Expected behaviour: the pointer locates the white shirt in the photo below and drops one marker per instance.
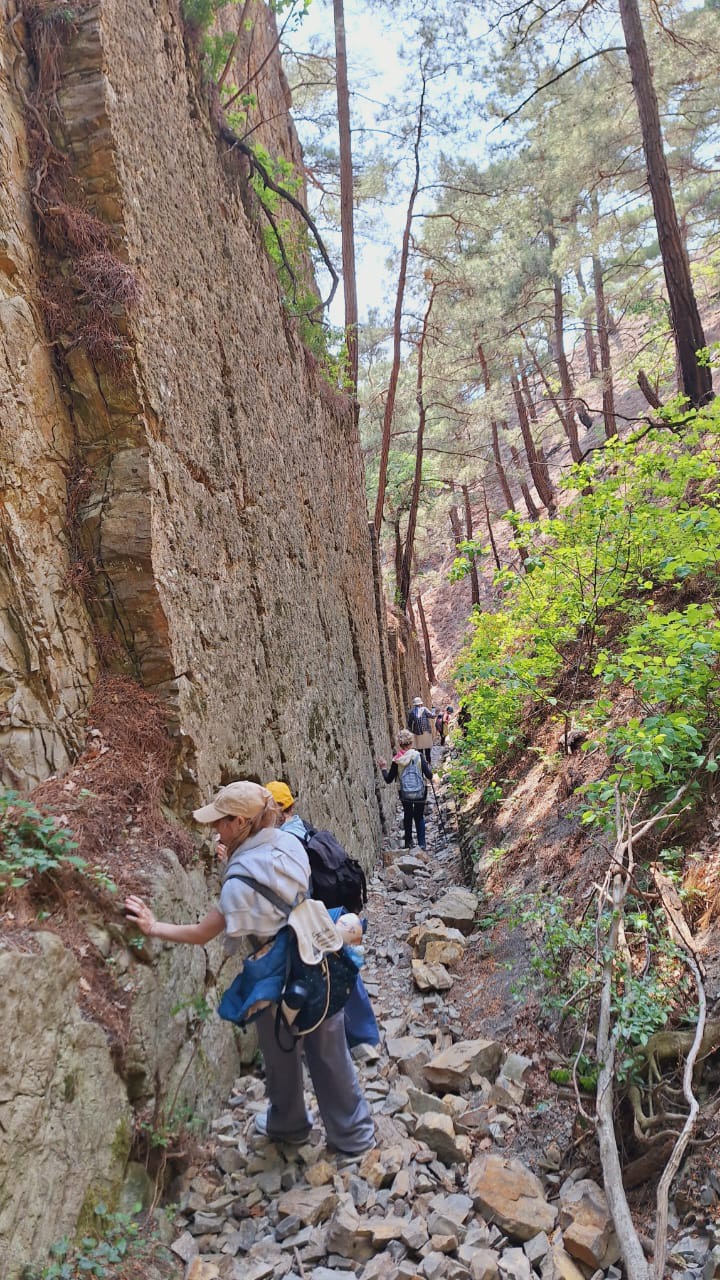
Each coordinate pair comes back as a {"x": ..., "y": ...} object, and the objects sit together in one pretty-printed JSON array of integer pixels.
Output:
[{"x": 276, "y": 860}]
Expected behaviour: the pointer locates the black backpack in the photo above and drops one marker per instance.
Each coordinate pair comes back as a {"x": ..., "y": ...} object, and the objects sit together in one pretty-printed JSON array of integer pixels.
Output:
[
  {"x": 418, "y": 721},
  {"x": 337, "y": 880}
]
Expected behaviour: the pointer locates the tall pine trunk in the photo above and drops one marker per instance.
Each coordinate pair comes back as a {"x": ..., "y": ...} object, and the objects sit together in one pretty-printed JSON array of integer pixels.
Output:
[
  {"x": 406, "y": 567},
  {"x": 539, "y": 475},
  {"x": 587, "y": 327},
  {"x": 497, "y": 455},
  {"x": 456, "y": 527},
  {"x": 491, "y": 535},
  {"x": 398, "y": 552},
  {"x": 687, "y": 326},
  {"x": 532, "y": 510},
  {"x": 474, "y": 582},
  {"x": 604, "y": 344},
  {"x": 542, "y": 460},
  {"x": 501, "y": 472},
  {"x": 347, "y": 225},
  {"x": 558, "y": 349},
  {"x": 397, "y": 324},
  {"x": 429, "y": 668}
]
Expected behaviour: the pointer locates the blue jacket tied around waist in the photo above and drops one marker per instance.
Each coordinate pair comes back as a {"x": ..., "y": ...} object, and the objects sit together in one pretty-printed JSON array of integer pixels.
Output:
[{"x": 263, "y": 979}]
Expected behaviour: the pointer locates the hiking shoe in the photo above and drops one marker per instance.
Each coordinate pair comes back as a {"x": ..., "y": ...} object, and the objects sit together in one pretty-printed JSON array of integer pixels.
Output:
[
  {"x": 293, "y": 1140},
  {"x": 347, "y": 1157}
]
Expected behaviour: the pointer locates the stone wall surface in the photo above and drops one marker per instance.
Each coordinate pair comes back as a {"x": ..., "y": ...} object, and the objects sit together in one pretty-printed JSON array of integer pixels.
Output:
[
  {"x": 66, "y": 1114},
  {"x": 228, "y": 515},
  {"x": 58, "y": 1087},
  {"x": 47, "y": 661}
]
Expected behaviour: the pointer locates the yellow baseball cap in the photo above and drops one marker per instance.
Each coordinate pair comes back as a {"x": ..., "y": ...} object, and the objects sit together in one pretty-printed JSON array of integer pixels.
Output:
[{"x": 281, "y": 794}]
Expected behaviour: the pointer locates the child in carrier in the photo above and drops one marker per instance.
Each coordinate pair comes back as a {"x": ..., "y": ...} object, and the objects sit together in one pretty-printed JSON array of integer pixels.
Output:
[{"x": 411, "y": 769}]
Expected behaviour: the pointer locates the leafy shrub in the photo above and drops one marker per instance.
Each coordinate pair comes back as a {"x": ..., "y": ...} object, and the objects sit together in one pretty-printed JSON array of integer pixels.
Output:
[
  {"x": 671, "y": 660},
  {"x": 33, "y": 844},
  {"x": 566, "y": 968},
  {"x": 646, "y": 517}
]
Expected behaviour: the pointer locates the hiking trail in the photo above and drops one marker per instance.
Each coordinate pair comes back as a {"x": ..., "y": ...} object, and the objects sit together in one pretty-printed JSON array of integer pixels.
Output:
[{"x": 441, "y": 1195}]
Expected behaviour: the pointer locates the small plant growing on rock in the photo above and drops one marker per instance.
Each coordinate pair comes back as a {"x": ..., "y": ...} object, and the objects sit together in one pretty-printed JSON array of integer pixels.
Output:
[
  {"x": 33, "y": 844},
  {"x": 116, "y": 1241}
]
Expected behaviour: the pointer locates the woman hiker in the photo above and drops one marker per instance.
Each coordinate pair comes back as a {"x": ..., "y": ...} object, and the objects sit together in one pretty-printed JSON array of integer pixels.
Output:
[
  {"x": 410, "y": 768},
  {"x": 244, "y": 815}
]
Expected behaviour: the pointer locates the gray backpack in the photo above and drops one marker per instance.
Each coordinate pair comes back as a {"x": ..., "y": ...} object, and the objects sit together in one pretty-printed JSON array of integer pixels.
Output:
[{"x": 412, "y": 783}]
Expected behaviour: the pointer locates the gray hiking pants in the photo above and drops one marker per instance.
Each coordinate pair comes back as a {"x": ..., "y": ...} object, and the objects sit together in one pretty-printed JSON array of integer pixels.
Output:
[{"x": 344, "y": 1111}]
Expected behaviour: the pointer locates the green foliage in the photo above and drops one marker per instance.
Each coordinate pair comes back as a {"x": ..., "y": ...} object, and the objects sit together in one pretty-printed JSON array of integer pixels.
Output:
[
  {"x": 584, "y": 1069},
  {"x": 671, "y": 660},
  {"x": 198, "y": 1008},
  {"x": 566, "y": 962},
  {"x": 459, "y": 779},
  {"x": 287, "y": 245},
  {"x": 116, "y": 1241},
  {"x": 33, "y": 844},
  {"x": 492, "y": 794},
  {"x": 645, "y": 519},
  {"x": 470, "y": 552}
]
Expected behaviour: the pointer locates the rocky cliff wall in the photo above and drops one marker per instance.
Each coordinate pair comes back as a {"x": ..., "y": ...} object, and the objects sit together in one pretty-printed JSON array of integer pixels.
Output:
[
  {"x": 222, "y": 514},
  {"x": 70, "y": 1106},
  {"x": 47, "y": 659},
  {"x": 183, "y": 499}
]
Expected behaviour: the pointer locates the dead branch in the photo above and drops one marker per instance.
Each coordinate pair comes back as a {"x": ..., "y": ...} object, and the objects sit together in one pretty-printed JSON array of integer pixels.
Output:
[
  {"x": 234, "y": 46},
  {"x": 598, "y": 53},
  {"x": 673, "y": 1163},
  {"x": 615, "y": 888}
]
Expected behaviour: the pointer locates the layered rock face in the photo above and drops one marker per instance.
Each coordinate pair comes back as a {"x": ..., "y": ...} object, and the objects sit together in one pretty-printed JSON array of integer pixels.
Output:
[
  {"x": 67, "y": 1115},
  {"x": 222, "y": 513},
  {"x": 47, "y": 660}
]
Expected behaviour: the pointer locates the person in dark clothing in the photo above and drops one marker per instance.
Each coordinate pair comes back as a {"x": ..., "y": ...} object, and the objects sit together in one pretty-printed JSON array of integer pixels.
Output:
[
  {"x": 419, "y": 722},
  {"x": 444, "y": 724},
  {"x": 413, "y": 789}
]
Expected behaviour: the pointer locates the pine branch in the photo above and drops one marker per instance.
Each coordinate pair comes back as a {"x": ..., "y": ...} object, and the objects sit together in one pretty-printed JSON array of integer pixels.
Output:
[{"x": 614, "y": 48}]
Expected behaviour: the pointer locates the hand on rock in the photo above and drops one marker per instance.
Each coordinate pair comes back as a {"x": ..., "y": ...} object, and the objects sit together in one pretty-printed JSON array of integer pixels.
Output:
[
  {"x": 140, "y": 914},
  {"x": 382, "y": 764}
]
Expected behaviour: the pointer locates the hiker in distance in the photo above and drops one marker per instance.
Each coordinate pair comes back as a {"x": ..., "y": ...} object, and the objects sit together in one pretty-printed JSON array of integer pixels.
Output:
[
  {"x": 341, "y": 885},
  {"x": 419, "y": 722},
  {"x": 243, "y": 816},
  {"x": 410, "y": 768},
  {"x": 442, "y": 724}
]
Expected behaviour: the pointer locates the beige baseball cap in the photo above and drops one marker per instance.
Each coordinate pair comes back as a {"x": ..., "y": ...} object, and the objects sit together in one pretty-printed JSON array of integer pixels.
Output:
[{"x": 236, "y": 800}]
